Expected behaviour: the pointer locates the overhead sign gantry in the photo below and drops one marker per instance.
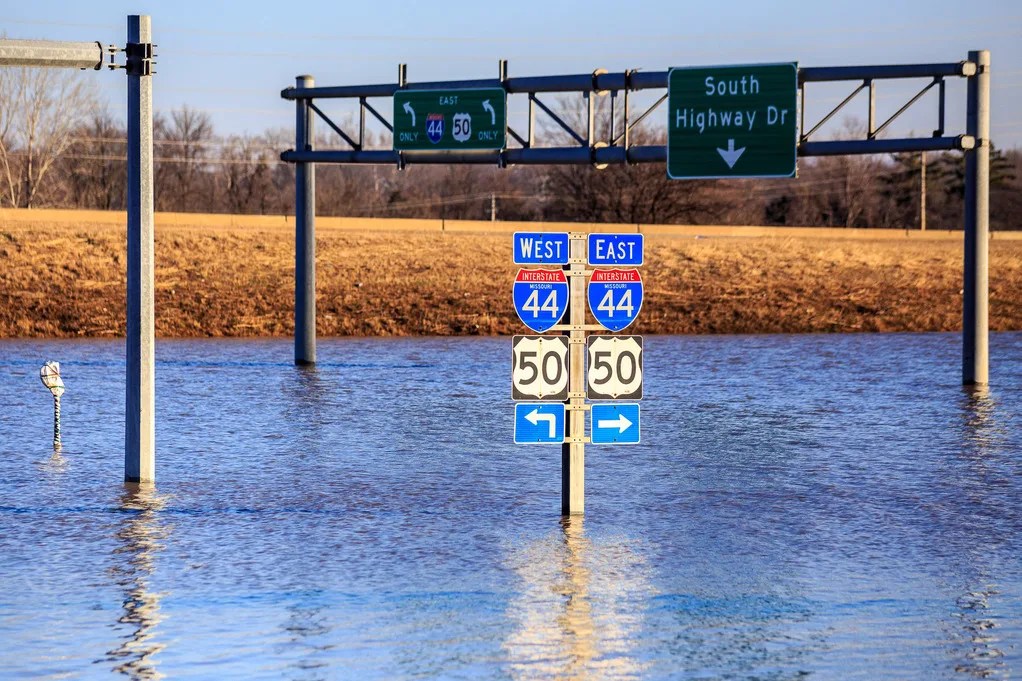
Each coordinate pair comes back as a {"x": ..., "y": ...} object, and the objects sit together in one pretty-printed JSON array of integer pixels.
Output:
[{"x": 723, "y": 122}]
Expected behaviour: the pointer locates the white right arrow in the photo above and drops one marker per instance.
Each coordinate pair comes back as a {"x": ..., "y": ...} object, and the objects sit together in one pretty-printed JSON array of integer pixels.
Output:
[
  {"x": 493, "y": 114},
  {"x": 621, "y": 423},
  {"x": 534, "y": 417},
  {"x": 730, "y": 155},
  {"x": 410, "y": 110}
]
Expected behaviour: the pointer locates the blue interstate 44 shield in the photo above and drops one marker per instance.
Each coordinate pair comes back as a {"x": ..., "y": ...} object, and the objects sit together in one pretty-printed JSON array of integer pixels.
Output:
[
  {"x": 541, "y": 297},
  {"x": 615, "y": 297},
  {"x": 435, "y": 127}
]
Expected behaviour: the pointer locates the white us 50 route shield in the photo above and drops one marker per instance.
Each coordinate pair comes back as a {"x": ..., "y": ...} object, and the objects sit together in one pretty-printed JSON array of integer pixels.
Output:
[
  {"x": 614, "y": 368},
  {"x": 539, "y": 368}
]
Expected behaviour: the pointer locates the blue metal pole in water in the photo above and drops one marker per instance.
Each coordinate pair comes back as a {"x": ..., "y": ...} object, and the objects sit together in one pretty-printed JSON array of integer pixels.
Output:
[
  {"x": 140, "y": 391},
  {"x": 305, "y": 233}
]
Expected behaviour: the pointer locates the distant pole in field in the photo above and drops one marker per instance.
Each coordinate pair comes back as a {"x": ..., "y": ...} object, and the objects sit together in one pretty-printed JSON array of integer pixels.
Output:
[
  {"x": 49, "y": 374},
  {"x": 305, "y": 233},
  {"x": 922, "y": 191},
  {"x": 140, "y": 402},
  {"x": 975, "y": 320}
]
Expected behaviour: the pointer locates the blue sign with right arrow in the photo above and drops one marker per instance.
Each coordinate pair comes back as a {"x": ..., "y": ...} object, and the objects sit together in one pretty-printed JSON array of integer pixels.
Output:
[
  {"x": 615, "y": 424},
  {"x": 539, "y": 423}
]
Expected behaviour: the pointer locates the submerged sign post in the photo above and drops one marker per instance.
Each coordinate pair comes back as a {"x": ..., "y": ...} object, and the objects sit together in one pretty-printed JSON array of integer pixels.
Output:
[
  {"x": 450, "y": 120},
  {"x": 732, "y": 121},
  {"x": 548, "y": 373}
]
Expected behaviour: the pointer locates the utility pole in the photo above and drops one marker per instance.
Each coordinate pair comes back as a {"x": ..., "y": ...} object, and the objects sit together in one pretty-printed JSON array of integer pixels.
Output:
[{"x": 922, "y": 191}]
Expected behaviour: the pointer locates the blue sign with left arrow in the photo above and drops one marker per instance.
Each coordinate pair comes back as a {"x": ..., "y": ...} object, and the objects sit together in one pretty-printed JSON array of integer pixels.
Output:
[
  {"x": 615, "y": 424},
  {"x": 539, "y": 423}
]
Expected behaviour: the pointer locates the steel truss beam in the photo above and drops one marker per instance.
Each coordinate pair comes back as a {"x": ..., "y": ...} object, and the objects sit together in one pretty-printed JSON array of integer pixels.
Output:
[{"x": 617, "y": 148}]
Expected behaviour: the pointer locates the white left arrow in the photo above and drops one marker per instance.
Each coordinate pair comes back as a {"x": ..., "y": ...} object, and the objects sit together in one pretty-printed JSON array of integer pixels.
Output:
[
  {"x": 493, "y": 114},
  {"x": 621, "y": 423},
  {"x": 730, "y": 155},
  {"x": 534, "y": 417},
  {"x": 410, "y": 110}
]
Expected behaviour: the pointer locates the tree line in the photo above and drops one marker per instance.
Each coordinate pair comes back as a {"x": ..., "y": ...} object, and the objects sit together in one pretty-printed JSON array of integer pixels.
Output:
[{"x": 61, "y": 147}]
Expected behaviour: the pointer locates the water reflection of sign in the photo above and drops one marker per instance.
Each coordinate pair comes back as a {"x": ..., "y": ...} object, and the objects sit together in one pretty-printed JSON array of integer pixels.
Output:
[
  {"x": 539, "y": 368},
  {"x": 615, "y": 368},
  {"x": 579, "y": 607},
  {"x": 141, "y": 536}
]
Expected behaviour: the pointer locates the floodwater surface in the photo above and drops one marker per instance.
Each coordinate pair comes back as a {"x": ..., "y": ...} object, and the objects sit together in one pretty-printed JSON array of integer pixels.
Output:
[{"x": 831, "y": 507}]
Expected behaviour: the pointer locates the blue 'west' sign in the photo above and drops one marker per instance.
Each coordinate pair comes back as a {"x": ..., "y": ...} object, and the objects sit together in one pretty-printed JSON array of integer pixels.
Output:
[
  {"x": 541, "y": 297},
  {"x": 538, "y": 423},
  {"x": 615, "y": 297},
  {"x": 541, "y": 248},
  {"x": 608, "y": 250},
  {"x": 615, "y": 424}
]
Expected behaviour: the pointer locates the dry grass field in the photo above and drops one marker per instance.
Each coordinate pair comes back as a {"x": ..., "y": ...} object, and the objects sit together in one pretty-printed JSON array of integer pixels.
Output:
[{"x": 65, "y": 277}]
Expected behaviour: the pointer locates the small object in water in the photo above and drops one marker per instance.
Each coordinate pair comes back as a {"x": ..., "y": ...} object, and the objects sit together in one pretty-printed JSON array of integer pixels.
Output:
[{"x": 49, "y": 374}]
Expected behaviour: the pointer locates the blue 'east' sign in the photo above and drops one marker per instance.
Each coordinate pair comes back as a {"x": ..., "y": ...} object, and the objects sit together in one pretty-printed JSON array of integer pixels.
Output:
[
  {"x": 615, "y": 297},
  {"x": 615, "y": 424},
  {"x": 538, "y": 423},
  {"x": 541, "y": 248},
  {"x": 541, "y": 297},
  {"x": 607, "y": 250}
]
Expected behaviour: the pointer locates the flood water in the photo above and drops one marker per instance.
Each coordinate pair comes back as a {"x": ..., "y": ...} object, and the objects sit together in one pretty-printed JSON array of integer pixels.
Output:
[{"x": 826, "y": 506}]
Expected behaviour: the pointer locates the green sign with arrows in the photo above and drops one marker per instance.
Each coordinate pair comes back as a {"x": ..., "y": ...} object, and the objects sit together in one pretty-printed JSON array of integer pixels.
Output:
[
  {"x": 732, "y": 121},
  {"x": 450, "y": 120}
]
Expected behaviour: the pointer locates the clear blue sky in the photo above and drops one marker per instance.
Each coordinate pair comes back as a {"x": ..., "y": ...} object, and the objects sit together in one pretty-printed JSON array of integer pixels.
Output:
[{"x": 232, "y": 58}]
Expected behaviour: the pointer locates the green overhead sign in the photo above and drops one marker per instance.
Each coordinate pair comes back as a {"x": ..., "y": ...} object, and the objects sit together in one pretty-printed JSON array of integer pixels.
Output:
[
  {"x": 450, "y": 120},
  {"x": 732, "y": 121}
]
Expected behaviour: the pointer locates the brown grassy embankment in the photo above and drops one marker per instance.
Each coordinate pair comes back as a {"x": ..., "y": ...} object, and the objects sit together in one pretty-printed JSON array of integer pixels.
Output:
[{"x": 62, "y": 274}]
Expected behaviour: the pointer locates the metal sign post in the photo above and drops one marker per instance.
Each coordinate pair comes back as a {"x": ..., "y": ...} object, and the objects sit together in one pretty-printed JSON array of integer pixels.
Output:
[
  {"x": 140, "y": 396},
  {"x": 305, "y": 234},
  {"x": 573, "y": 451},
  {"x": 139, "y": 408},
  {"x": 975, "y": 301}
]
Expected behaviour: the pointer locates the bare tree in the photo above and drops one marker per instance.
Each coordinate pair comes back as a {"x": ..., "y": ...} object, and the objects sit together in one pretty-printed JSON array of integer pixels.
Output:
[
  {"x": 93, "y": 172},
  {"x": 40, "y": 109},
  {"x": 244, "y": 181},
  {"x": 632, "y": 194},
  {"x": 183, "y": 143}
]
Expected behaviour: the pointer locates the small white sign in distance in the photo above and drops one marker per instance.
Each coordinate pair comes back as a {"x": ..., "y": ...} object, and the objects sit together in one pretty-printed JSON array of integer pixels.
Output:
[
  {"x": 614, "y": 369},
  {"x": 539, "y": 368}
]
